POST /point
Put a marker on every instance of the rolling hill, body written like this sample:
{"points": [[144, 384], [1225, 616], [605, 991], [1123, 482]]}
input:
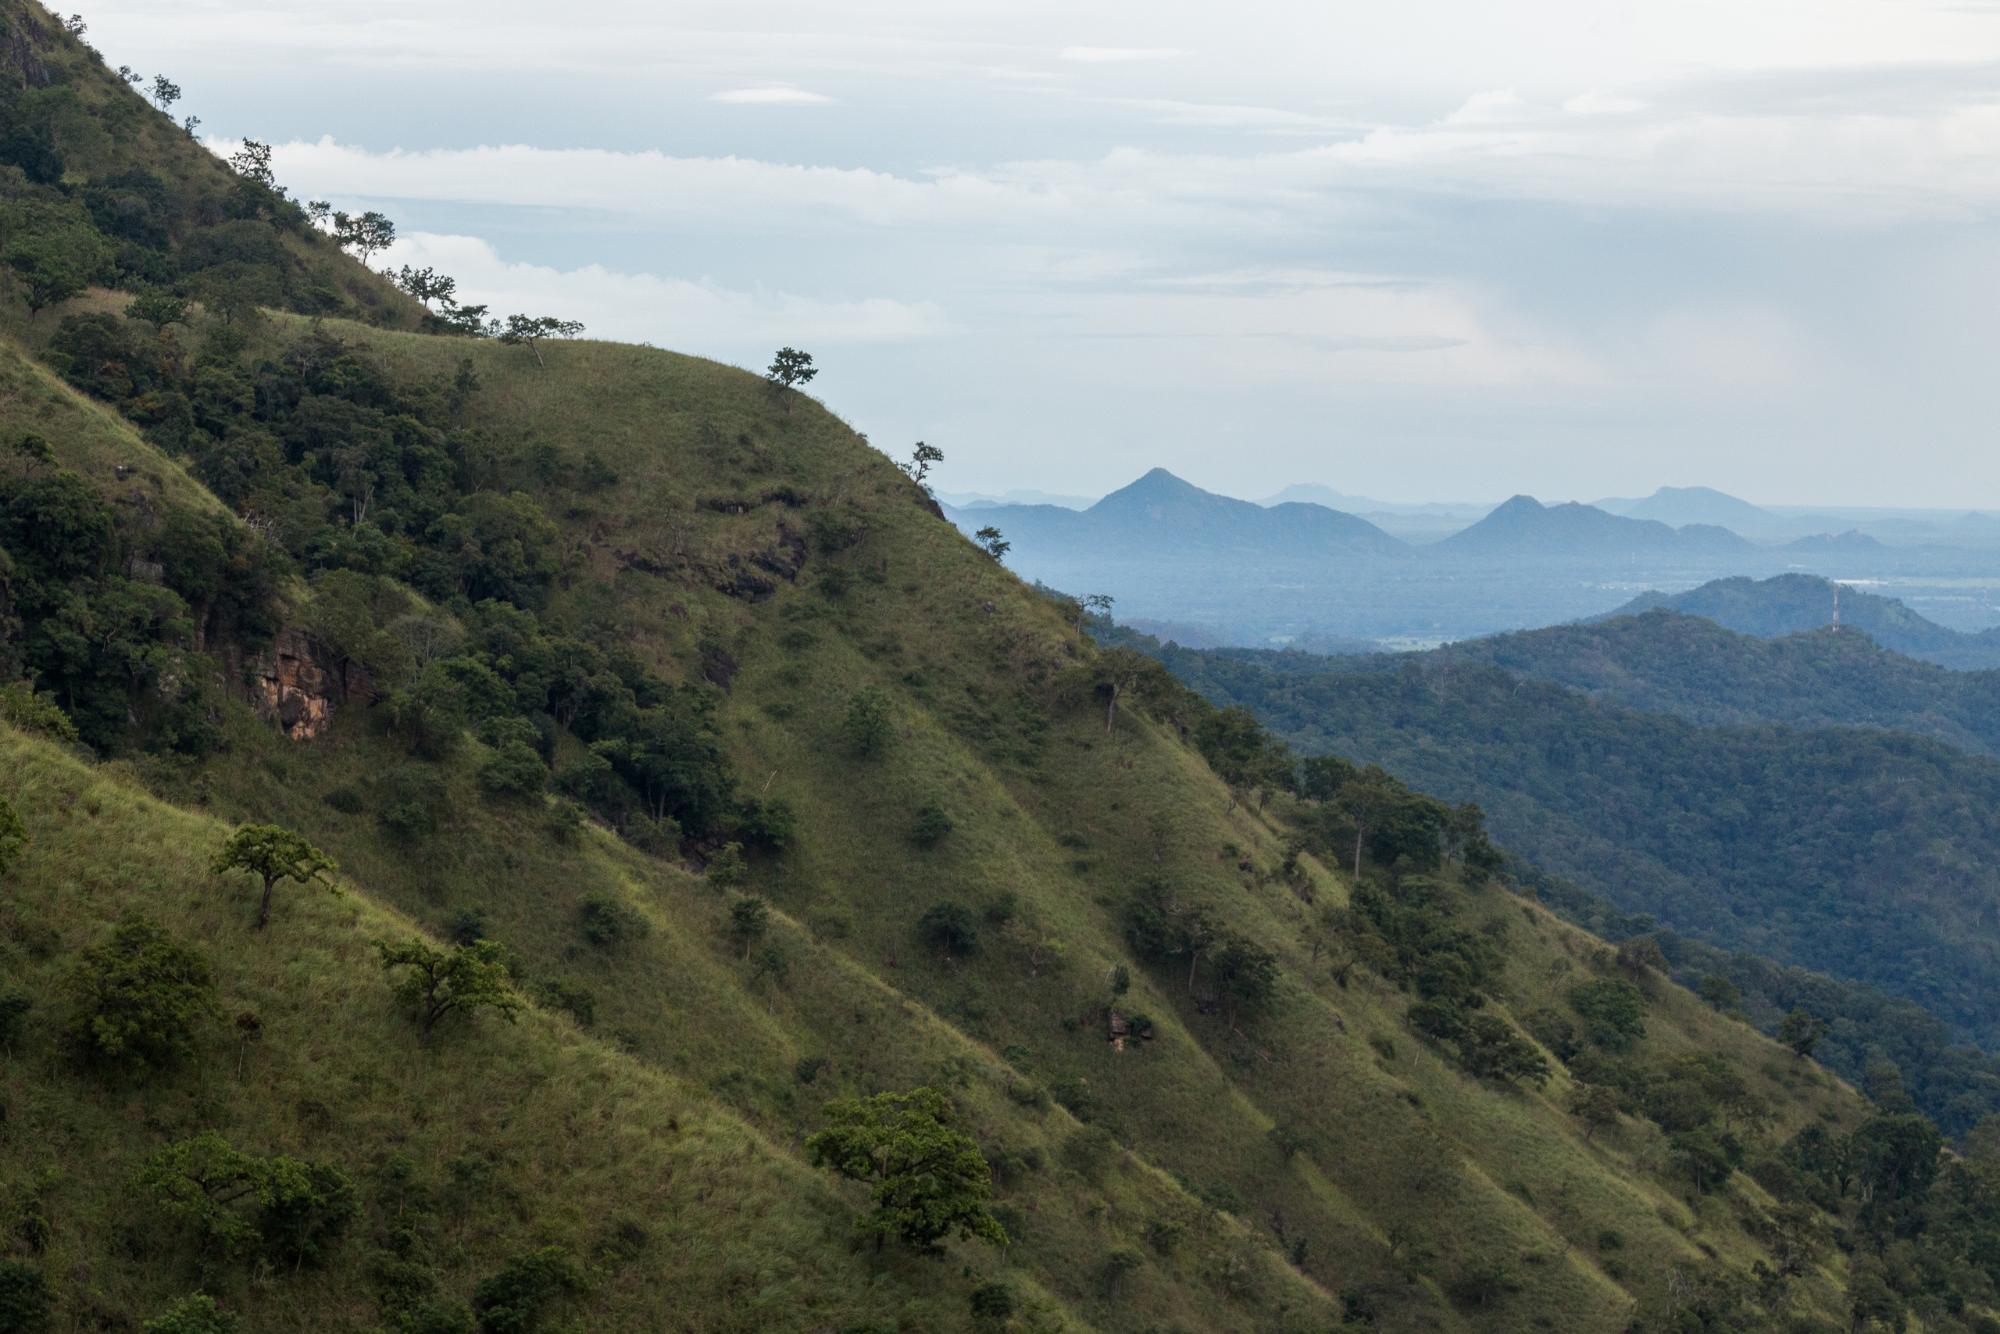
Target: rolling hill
{"points": [[643, 702], [1789, 604], [1682, 505]]}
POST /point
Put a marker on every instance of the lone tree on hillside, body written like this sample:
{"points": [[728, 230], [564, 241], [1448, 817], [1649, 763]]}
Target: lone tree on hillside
{"points": [[158, 309], [1119, 673], [165, 92], [1090, 605], [929, 1179], [139, 998], [1366, 799], [992, 543], [427, 285], [272, 853], [921, 459], [790, 368], [253, 163], [446, 982], [364, 235], [530, 330]]}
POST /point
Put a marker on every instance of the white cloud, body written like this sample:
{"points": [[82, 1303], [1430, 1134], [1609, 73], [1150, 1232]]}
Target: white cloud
{"points": [[777, 95], [691, 315], [1116, 55]]}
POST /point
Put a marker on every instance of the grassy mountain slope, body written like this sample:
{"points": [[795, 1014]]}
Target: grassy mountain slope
{"points": [[634, 646]]}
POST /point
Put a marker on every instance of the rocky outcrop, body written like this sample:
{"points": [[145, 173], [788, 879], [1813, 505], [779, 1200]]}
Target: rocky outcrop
{"points": [[299, 684]]}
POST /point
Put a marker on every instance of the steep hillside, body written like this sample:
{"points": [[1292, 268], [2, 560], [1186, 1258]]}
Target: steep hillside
{"points": [[675, 717], [1789, 604]]}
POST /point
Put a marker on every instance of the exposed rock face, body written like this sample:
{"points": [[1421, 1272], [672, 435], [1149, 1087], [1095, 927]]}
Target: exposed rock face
{"points": [[298, 685]]}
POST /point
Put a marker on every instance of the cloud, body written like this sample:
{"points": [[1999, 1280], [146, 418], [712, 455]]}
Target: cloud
{"points": [[697, 316], [1116, 55], [778, 95]]}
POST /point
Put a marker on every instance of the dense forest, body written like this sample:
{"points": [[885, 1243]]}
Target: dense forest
{"points": [[502, 832]]}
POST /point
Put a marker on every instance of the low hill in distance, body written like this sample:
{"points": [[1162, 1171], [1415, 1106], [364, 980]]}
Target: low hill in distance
{"points": [[1524, 527], [1788, 604]]}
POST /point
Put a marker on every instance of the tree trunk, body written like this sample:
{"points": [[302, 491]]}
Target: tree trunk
{"points": [[264, 908], [1111, 711], [1360, 832], [536, 348]]}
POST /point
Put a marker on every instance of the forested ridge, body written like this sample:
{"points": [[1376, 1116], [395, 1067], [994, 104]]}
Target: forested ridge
{"points": [[506, 832]]}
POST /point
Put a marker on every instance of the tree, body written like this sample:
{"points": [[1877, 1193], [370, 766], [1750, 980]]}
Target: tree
{"points": [[1801, 1032], [139, 998], [165, 92], [272, 853], [440, 983], [25, 1301], [992, 543], [515, 1299], [53, 264], [949, 928], [427, 285], [789, 369], [1245, 976], [1491, 1049], [1596, 1106], [195, 1314], [1365, 799], [867, 723], [158, 309], [921, 459], [749, 918], [933, 825], [238, 1203], [363, 234], [1614, 1013], [1119, 673], [253, 163], [530, 330], [1091, 606], [1720, 993], [929, 1180]]}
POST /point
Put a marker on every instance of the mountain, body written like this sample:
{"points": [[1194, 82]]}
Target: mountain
{"points": [[1018, 496], [1524, 527], [1853, 542], [1161, 516], [1663, 661], [1682, 505], [1790, 603], [709, 832]]}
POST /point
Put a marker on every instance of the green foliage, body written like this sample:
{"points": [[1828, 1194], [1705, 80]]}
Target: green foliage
{"points": [[1801, 1032], [749, 918], [1720, 993], [932, 826], [605, 922], [442, 983], [1613, 1011], [271, 853], [513, 770], [521, 1296], [197, 1313], [950, 929], [139, 999], [21, 706], [928, 1180], [13, 836], [992, 1301], [14, 1007], [237, 1204], [1491, 1049], [867, 727], [25, 1301], [727, 867]]}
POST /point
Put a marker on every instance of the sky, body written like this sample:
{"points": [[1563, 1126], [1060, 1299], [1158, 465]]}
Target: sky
{"points": [[1430, 250]]}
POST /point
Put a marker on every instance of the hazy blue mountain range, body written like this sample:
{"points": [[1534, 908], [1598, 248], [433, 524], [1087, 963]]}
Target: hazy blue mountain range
{"points": [[1524, 526]]}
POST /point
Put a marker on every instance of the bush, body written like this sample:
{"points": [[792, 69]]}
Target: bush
{"points": [[932, 825], [606, 922], [24, 1298], [517, 1299], [992, 1301], [949, 928], [866, 727], [288, 1209], [727, 867], [195, 1314], [1613, 1011], [139, 999], [580, 1003], [13, 836], [513, 770]]}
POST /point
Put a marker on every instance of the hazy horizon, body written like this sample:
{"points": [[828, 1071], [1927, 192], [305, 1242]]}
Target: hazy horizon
{"points": [[1371, 247]]}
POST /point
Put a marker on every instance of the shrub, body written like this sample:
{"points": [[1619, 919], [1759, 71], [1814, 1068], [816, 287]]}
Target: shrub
{"points": [[195, 1314], [866, 727], [749, 918], [932, 825], [14, 1008], [239, 1204], [13, 836], [513, 770], [139, 998], [727, 866], [1613, 1011], [580, 1003], [24, 1298], [518, 1299], [949, 928], [992, 1301], [606, 922]]}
